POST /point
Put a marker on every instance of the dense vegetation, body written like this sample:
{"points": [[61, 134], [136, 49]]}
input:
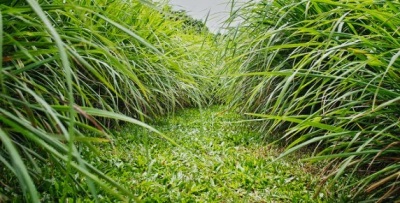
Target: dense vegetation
{"points": [[217, 159], [324, 74], [70, 68], [315, 74]]}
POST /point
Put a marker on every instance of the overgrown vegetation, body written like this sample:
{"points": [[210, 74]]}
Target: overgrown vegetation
{"points": [[324, 74], [319, 75], [217, 159], [69, 69]]}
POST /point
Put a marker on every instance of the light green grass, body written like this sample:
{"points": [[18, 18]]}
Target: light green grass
{"points": [[313, 73], [323, 74], [70, 69], [218, 160]]}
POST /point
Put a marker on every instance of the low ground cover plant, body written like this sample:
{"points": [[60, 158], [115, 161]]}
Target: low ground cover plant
{"points": [[217, 158]]}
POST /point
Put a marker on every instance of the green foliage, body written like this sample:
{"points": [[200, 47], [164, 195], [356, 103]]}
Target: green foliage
{"points": [[189, 23], [217, 159], [68, 70], [316, 74], [324, 74]]}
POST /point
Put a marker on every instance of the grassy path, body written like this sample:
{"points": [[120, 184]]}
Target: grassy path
{"points": [[218, 160]]}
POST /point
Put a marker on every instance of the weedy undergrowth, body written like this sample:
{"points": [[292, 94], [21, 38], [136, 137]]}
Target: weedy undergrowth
{"points": [[68, 70], [324, 74]]}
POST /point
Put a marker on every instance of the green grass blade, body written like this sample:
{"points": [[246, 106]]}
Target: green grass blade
{"points": [[20, 169]]}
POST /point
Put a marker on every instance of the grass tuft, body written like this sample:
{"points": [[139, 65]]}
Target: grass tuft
{"points": [[72, 69], [324, 75]]}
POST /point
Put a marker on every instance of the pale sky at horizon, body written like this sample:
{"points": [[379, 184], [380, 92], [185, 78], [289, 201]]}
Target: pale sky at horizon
{"points": [[219, 10]]}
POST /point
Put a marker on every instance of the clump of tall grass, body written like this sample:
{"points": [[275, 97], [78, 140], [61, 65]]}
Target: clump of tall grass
{"points": [[70, 67], [324, 74]]}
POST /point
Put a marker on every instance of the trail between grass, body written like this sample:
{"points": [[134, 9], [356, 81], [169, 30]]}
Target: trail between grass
{"points": [[218, 160]]}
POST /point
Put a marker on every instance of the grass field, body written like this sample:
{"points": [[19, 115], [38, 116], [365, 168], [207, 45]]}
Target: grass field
{"points": [[90, 93]]}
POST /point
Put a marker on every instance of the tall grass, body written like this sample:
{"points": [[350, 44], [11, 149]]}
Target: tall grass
{"points": [[68, 70], [325, 75]]}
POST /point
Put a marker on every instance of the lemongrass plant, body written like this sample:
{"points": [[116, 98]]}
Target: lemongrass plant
{"points": [[68, 70], [325, 75]]}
